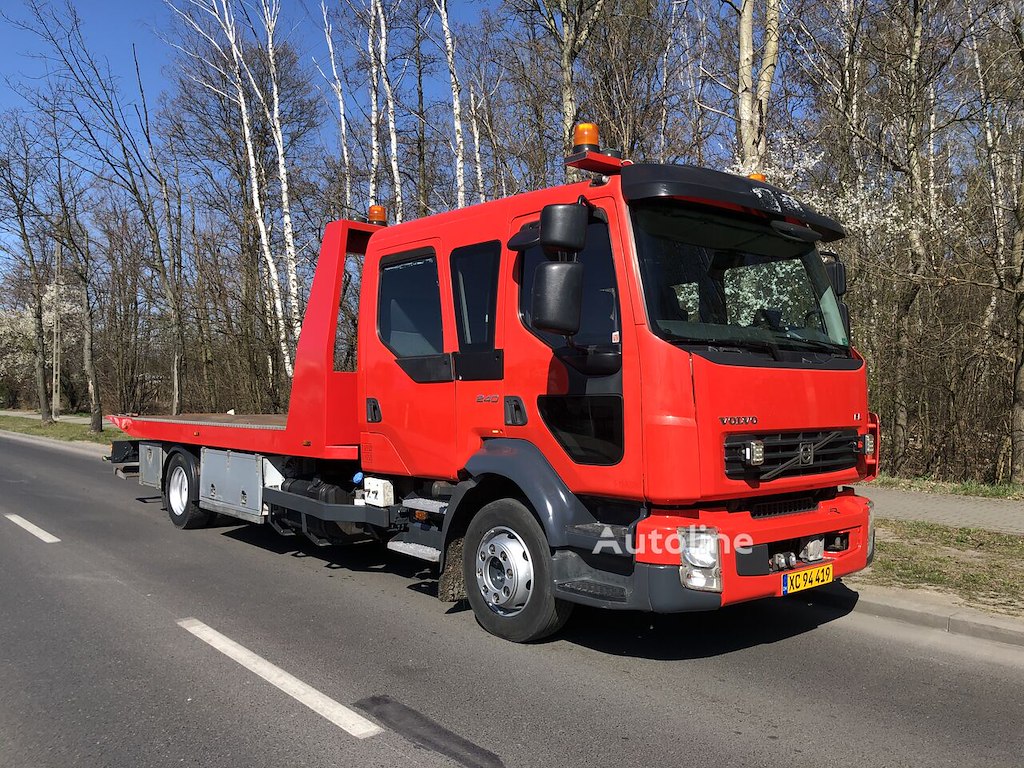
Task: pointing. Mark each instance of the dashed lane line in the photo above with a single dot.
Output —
(323, 705)
(32, 528)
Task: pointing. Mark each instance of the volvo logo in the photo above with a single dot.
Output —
(806, 453)
(736, 421)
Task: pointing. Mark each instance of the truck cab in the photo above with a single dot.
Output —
(708, 387)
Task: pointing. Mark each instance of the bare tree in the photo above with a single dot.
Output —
(569, 25)
(20, 173)
(231, 68)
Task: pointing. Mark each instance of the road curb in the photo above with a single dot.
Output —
(76, 446)
(922, 609)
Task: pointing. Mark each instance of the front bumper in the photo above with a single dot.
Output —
(654, 583)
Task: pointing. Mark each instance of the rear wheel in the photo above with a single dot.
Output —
(181, 492)
(507, 571)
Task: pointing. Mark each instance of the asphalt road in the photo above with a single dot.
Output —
(95, 669)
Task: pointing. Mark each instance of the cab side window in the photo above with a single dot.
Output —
(475, 292)
(409, 305)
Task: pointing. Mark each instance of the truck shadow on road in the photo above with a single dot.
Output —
(663, 637)
(361, 556)
(680, 636)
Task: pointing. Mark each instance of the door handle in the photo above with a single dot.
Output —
(373, 414)
(515, 411)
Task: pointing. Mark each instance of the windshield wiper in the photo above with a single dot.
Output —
(750, 344)
(825, 346)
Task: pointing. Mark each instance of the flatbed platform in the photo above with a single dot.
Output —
(243, 421)
(268, 434)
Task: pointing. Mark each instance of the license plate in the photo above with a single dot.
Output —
(811, 577)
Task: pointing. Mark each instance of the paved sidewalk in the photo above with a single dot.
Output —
(35, 415)
(965, 511)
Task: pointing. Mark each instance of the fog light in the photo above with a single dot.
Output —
(869, 444)
(702, 579)
(753, 453)
(813, 549)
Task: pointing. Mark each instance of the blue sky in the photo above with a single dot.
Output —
(111, 26)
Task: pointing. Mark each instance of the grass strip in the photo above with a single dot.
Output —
(60, 430)
(984, 568)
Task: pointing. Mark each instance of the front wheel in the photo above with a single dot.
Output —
(181, 492)
(507, 572)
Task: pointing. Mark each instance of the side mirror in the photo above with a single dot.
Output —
(836, 272)
(557, 296)
(563, 227)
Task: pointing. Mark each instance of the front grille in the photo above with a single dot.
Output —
(782, 447)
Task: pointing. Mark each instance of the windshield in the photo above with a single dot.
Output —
(716, 280)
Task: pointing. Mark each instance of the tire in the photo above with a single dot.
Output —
(181, 492)
(505, 538)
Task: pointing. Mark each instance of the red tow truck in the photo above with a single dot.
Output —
(636, 391)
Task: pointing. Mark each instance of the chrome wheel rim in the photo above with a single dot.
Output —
(504, 571)
(177, 491)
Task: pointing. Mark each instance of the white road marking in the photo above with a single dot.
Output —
(326, 707)
(32, 528)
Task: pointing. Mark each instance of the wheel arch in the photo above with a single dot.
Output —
(511, 468)
(170, 451)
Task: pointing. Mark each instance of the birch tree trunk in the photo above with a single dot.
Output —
(1016, 265)
(916, 211)
(389, 103)
(453, 76)
(89, 364)
(339, 95)
(753, 92)
(55, 351)
(374, 105)
(477, 161)
(994, 173)
(269, 13)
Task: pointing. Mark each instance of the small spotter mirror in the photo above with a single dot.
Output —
(836, 271)
(563, 226)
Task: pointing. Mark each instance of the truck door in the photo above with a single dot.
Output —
(581, 398)
(479, 361)
(410, 386)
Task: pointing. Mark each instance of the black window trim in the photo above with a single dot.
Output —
(478, 362)
(423, 369)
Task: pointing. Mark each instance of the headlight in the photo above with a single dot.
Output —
(701, 558)
(700, 546)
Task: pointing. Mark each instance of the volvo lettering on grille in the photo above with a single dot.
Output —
(736, 421)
